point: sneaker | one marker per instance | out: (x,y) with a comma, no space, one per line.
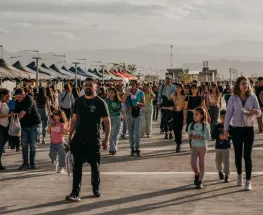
(132,152)
(162,131)
(227,179)
(178,149)
(43,141)
(123,136)
(33,166)
(196,179)
(199,185)
(142,136)
(138,152)
(113,153)
(23,167)
(149,136)
(73,198)
(248,186)
(221,176)
(166,136)
(240,180)
(61,170)
(97,193)
(171,136)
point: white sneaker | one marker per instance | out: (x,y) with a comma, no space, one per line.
(61,170)
(248,186)
(240,180)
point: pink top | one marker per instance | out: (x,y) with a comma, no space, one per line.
(56,136)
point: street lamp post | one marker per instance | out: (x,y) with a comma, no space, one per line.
(13,57)
(171,56)
(76,80)
(37,58)
(85,60)
(102,69)
(2,51)
(62,55)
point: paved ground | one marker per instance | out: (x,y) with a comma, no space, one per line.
(160,182)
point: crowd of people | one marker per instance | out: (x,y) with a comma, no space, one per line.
(82,113)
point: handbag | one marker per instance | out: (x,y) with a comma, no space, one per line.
(249,120)
(15,126)
(135,111)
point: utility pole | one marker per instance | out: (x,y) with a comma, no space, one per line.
(76,80)
(37,58)
(62,55)
(85,60)
(171,56)
(2,51)
(13,57)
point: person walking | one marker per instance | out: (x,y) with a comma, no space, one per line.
(165,91)
(66,101)
(30,121)
(42,102)
(147,112)
(179,103)
(4,122)
(115,110)
(242,109)
(84,137)
(259,94)
(213,104)
(134,100)
(155,106)
(199,135)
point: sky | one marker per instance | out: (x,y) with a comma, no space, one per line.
(57,25)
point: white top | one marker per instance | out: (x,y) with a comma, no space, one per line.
(4,109)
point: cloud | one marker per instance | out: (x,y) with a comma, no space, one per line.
(67,35)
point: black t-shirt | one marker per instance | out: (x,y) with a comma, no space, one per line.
(258,91)
(32,116)
(220,89)
(194,101)
(89,114)
(219,130)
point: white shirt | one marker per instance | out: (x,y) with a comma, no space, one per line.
(4,109)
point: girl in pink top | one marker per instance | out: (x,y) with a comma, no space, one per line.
(57,130)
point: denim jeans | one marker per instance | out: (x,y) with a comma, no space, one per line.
(29,138)
(124,127)
(115,130)
(134,128)
(3,139)
(57,150)
(44,121)
(155,112)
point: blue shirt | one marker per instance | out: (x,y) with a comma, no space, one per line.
(11,104)
(131,100)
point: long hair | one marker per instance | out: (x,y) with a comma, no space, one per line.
(203,112)
(51,95)
(117,96)
(236,90)
(67,87)
(63,118)
(182,87)
(42,96)
(217,91)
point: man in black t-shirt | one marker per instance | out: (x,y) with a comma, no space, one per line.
(259,94)
(85,144)
(30,126)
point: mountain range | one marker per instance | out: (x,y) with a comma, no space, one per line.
(244,56)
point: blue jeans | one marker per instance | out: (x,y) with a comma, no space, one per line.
(134,128)
(29,138)
(115,130)
(44,121)
(57,150)
(124,127)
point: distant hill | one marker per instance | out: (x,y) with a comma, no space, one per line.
(245,56)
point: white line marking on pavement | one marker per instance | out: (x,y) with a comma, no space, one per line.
(123,173)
